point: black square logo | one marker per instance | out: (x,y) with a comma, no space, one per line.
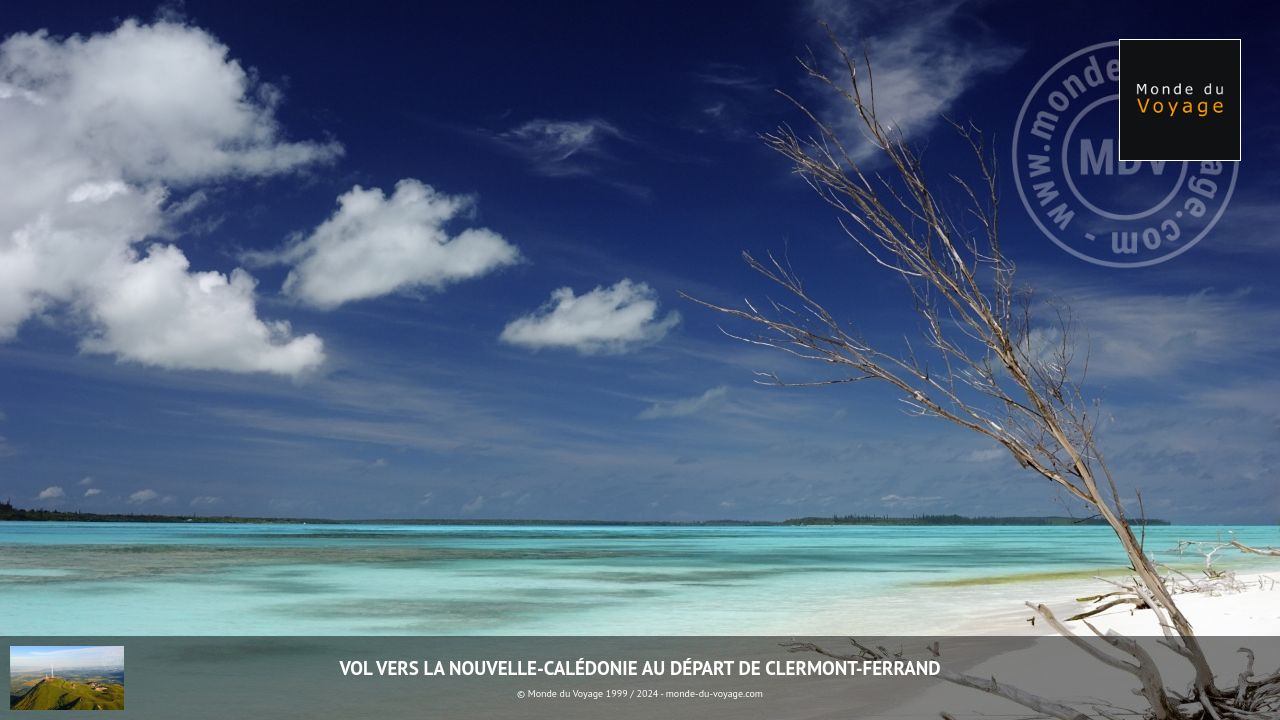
(1179,100)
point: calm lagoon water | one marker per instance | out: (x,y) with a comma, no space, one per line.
(193,579)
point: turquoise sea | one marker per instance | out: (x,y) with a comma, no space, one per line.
(196,579)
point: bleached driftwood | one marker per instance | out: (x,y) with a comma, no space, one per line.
(1272,552)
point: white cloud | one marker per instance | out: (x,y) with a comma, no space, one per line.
(684,406)
(730,75)
(924,56)
(53,492)
(375,245)
(908,501)
(604,320)
(985,455)
(92,491)
(98,130)
(160,314)
(1240,396)
(562,148)
(205,500)
(87,480)
(1247,227)
(160,102)
(474,505)
(143,496)
(1146,335)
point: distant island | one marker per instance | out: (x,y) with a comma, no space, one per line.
(958,520)
(9,512)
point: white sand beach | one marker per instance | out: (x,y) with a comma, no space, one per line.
(1255,611)
(1051,668)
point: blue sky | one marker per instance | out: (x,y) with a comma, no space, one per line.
(28,658)
(424,261)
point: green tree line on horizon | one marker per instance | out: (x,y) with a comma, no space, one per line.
(9,512)
(957,520)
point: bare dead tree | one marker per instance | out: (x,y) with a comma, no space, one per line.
(980,362)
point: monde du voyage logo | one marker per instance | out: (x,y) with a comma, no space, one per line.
(1162,199)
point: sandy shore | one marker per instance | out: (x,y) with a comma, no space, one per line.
(1051,667)
(1252,612)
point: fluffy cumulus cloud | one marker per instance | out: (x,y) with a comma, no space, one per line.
(160,313)
(102,134)
(53,492)
(143,496)
(605,320)
(374,245)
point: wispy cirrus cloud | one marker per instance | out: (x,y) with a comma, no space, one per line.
(563,148)
(984,455)
(684,407)
(1247,228)
(1135,335)
(732,101)
(924,55)
(731,76)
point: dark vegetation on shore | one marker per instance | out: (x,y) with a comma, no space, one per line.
(958,520)
(9,512)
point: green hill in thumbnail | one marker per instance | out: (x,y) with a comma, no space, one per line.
(62,694)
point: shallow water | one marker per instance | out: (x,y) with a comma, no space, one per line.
(218,579)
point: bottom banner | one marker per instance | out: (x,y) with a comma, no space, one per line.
(590,677)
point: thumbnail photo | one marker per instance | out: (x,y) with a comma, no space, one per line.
(66,677)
